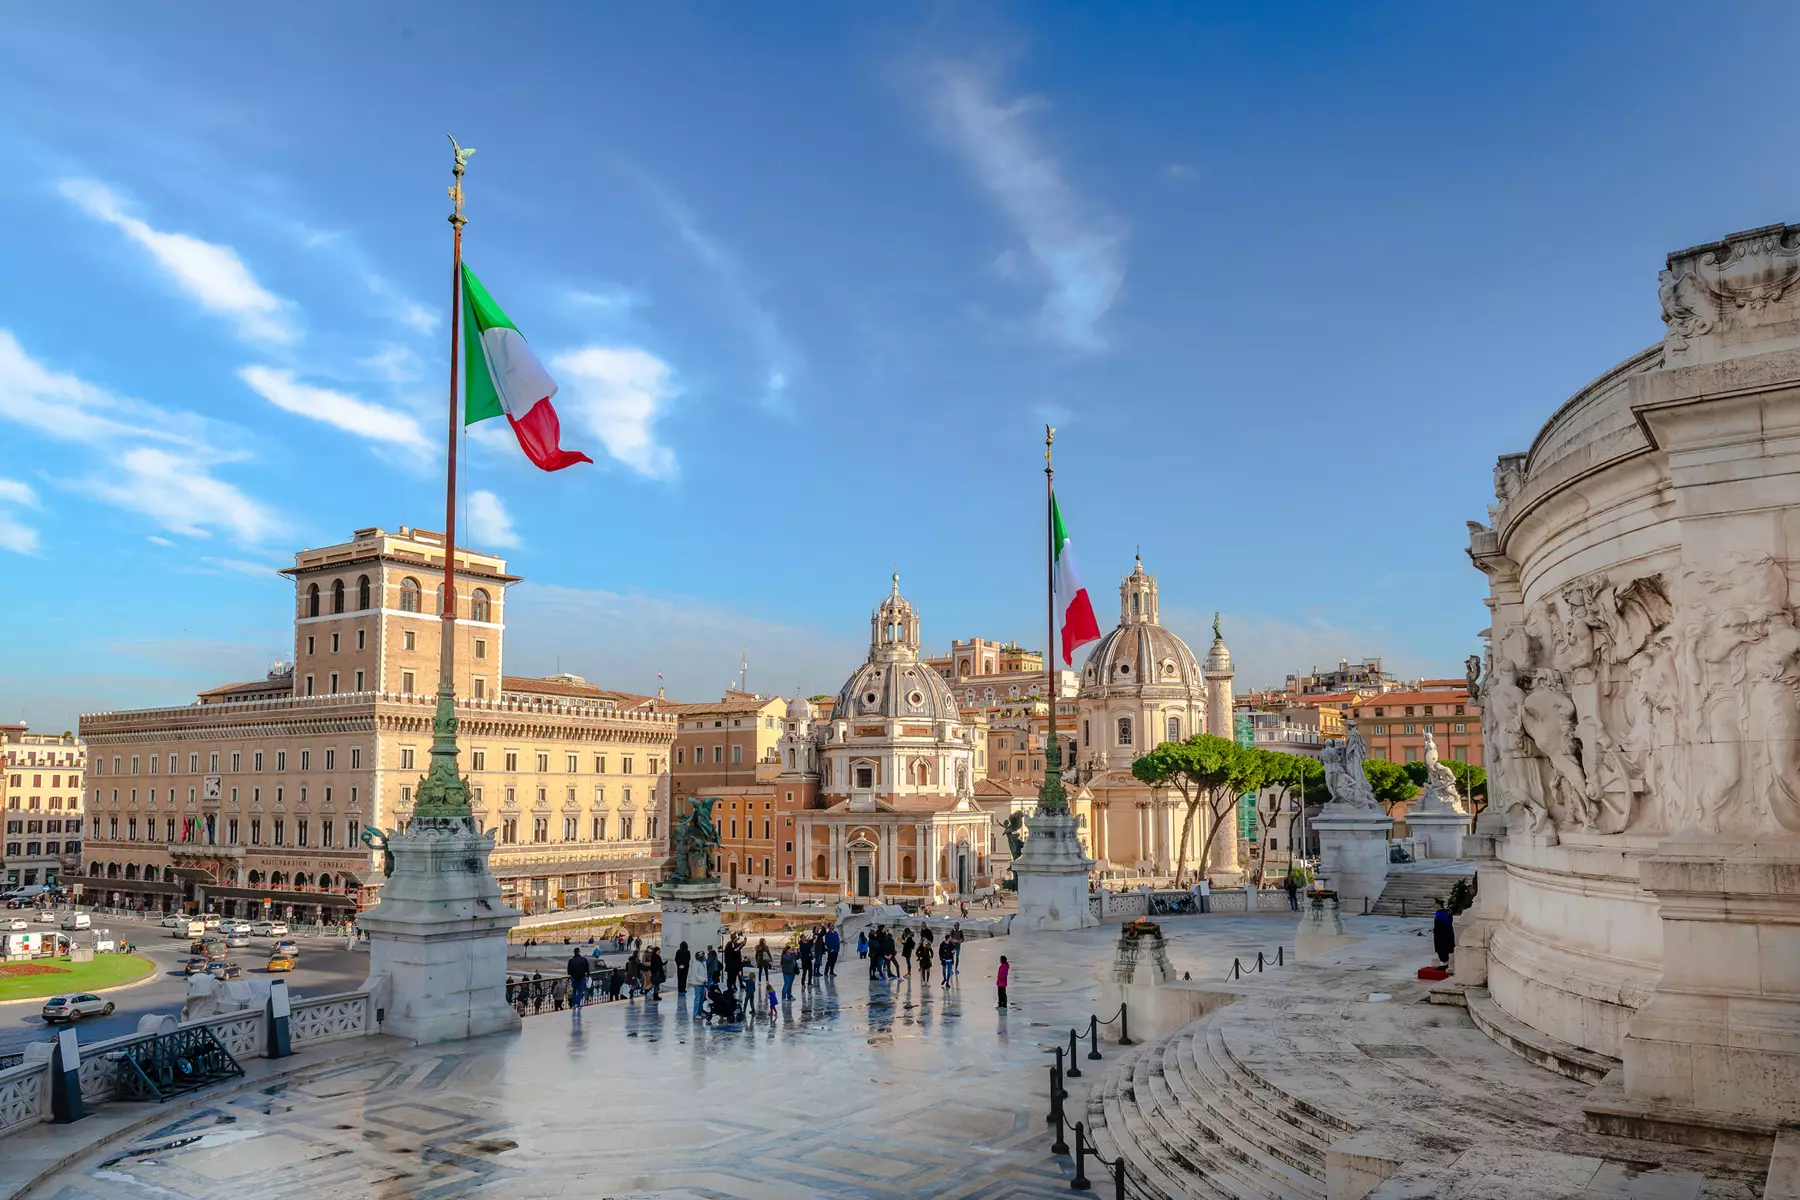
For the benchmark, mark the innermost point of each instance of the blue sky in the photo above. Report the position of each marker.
(812, 278)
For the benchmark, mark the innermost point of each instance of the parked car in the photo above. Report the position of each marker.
(281, 961)
(74, 920)
(224, 970)
(72, 1008)
(15, 923)
(193, 965)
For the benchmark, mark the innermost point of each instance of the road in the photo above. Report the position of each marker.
(324, 967)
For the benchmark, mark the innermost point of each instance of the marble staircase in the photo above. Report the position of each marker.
(1414, 892)
(1193, 1120)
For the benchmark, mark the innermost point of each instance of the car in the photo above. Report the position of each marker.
(193, 965)
(15, 923)
(173, 922)
(73, 1007)
(285, 946)
(236, 940)
(46, 917)
(224, 970)
(212, 920)
(74, 920)
(269, 929)
(231, 927)
(280, 961)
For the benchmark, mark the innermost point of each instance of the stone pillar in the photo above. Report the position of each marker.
(1440, 832)
(1053, 877)
(438, 937)
(690, 913)
(1353, 852)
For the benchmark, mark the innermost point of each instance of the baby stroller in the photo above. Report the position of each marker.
(721, 1004)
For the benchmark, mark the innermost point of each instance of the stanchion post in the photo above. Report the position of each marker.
(1074, 1068)
(1119, 1178)
(1061, 1144)
(1062, 1092)
(1259, 962)
(1125, 1026)
(1093, 1035)
(1280, 959)
(1081, 1182)
(1055, 1098)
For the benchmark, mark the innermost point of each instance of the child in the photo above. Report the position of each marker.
(1000, 980)
(862, 945)
(773, 999)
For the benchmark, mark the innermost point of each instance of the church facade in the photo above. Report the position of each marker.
(892, 770)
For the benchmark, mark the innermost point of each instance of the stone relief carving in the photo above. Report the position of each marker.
(1741, 647)
(1730, 283)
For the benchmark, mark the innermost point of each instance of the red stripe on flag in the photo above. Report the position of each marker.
(540, 436)
(1079, 626)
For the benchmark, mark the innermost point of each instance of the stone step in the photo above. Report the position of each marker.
(1117, 1127)
(1255, 1137)
(1534, 1045)
(1249, 1111)
(1266, 1098)
(1321, 1121)
(1200, 1149)
(1418, 889)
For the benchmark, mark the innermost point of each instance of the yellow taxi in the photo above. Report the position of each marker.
(281, 961)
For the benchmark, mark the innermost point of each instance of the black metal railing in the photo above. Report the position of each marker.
(1083, 1148)
(1239, 970)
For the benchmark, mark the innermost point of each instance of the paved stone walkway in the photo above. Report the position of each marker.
(858, 1091)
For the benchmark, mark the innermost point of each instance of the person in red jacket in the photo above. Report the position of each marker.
(1000, 980)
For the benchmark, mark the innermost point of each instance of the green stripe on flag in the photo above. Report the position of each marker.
(1059, 536)
(480, 400)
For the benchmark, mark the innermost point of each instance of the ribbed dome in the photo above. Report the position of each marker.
(799, 709)
(1141, 655)
(896, 689)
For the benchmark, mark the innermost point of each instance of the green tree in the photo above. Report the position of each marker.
(1285, 779)
(1207, 770)
(1391, 782)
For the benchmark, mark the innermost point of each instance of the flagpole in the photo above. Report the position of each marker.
(443, 795)
(1052, 798)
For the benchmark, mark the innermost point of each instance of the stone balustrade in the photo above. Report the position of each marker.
(25, 1089)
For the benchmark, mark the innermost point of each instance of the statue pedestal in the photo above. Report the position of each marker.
(690, 913)
(1053, 877)
(1439, 830)
(1353, 852)
(439, 936)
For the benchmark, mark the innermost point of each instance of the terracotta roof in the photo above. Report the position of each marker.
(276, 687)
(1441, 696)
(1012, 788)
(718, 706)
(530, 685)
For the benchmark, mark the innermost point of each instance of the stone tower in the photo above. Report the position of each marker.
(1218, 685)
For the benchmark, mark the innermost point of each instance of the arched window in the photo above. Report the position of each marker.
(312, 600)
(112, 870)
(337, 595)
(478, 605)
(906, 868)
(409, 594)
(440, 599)
(362, 591)
(1124, 731)
(255, 877)
(276, 878)
(324, 881)
(299, 878)
(131, 870)
(1174, 729)
(1134, 605)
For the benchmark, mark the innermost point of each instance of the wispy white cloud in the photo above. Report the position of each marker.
(179, 492)
(609, 299)
(14, 492)
(490, 525)
(157, 540)
(780, 362)
(245, 566)
(61, 406)
(17, 536)
(393, 363)
(346, 412)
(619, 393)
(212, 274)
(1076, 246)
(400, 307)
(1266, 648)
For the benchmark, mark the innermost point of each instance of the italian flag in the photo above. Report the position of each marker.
(1069, 599)
(505, 377)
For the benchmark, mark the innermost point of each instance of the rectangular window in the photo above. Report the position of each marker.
(359, 681)
(281, 760)
(362, 639)
(574, 763)
(678, 756)
(543, 797)
(512, 797)
(766, 833)
(134, 771)
(543, 762)
(334, 643)
(327, 831)
(718, 754)
(330, 760)
(625, 765)
(255, 831)
(571, 829)
(256, 761)
(300, 832)
(480, 647)
(408, 642)
(57, 780)
(480, 688)
(306, 760)
(512, 760)
(865, 777)
(406, 678)
(478, 760)
(309, 645)
(625, 828)
(625, 794)
(540, 829)
(406, 760)
(1462, 727)
(599, 829)
(737, 756)
(734, 829)
(599, 764)
(280, 831)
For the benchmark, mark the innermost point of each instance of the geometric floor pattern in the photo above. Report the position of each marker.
(860, 1090)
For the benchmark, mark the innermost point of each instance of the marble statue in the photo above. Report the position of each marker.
(1344, 777)
(1439, 794)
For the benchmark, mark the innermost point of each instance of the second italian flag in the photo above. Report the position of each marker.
(1073, 609)
(505, 378)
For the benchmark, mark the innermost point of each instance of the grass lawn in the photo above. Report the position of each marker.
(54, 976)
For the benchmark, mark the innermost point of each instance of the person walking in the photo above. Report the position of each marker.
(578, 978)
(764, 960)
(906, 949)
(634, 972)
(656, 972)
(832, 943)
(956, 939)
(804, 958)
(790, 966)
(818, 954)
(1293, 891)
(712, 965)
(947, 955)
(1443, 934)
(734, 962)
(1000, 980)
(862, 944)
(925, 957)
(683, 957)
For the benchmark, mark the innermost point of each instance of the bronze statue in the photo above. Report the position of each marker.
(693, 841)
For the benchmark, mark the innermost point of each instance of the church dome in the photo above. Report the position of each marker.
(799, 708)
(893, 682)
(1140, 652)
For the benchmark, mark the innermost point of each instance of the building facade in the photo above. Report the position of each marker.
(254, 798)
(1395, 723)
(41, 804)
(893, 767)
(1140, 686)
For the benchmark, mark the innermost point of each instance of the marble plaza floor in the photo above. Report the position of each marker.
(857, 1090)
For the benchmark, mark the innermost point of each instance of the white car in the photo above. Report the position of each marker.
(173, 922)
(268, 929)
(73, 1007)
(240, 928)
(213, 920)
(15, 924)
(46, 917)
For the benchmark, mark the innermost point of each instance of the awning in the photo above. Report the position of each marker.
(279, 896)
(144, 887)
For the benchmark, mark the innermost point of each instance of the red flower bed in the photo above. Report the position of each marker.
(20, 970)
